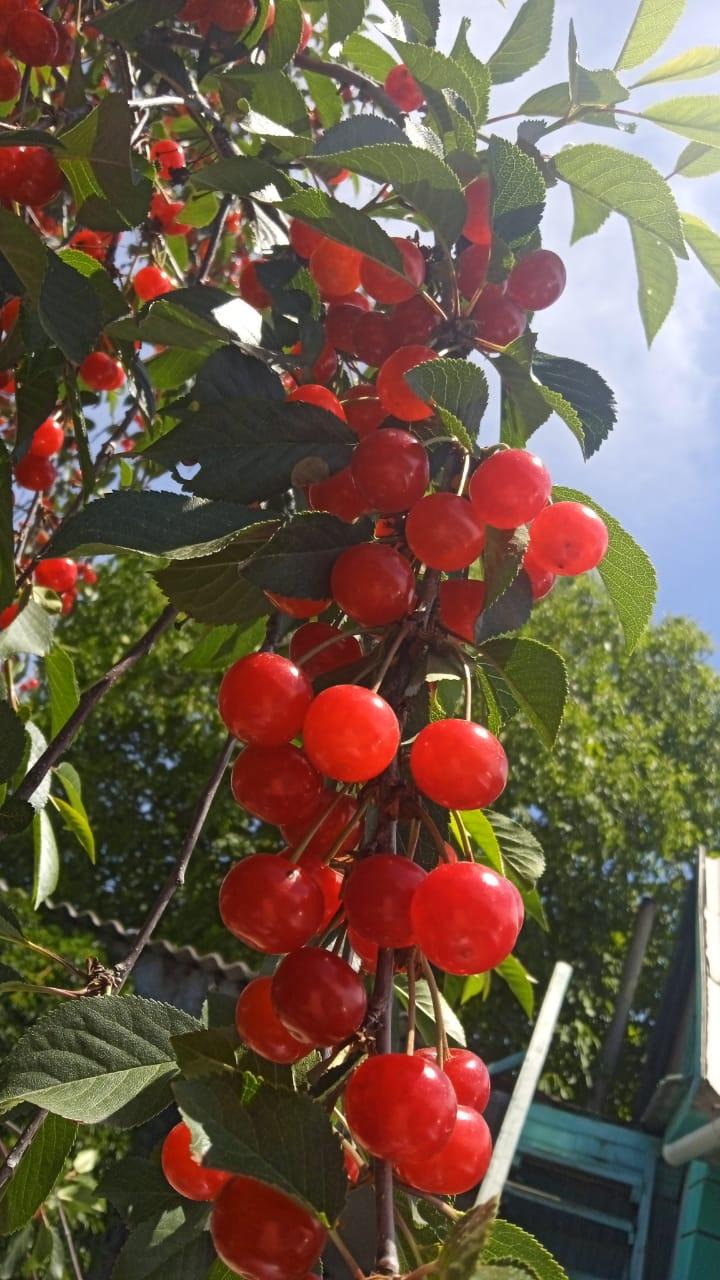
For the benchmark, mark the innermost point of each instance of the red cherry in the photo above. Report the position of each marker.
(8, 615)
(48, 439)
(400, 1107)
(340, 813)
(324, 368)
(375, 338)
(465, 917)
(458, 764)
(467, 1074)
(352, 1167)
(36, 474)
(259, 1026)
(416, 320)
(510, 488)
(478, 223)
(443, 531)
(184, 1173)
(297, 606)
(305, 32)
(335, 268)
(341, 653)
(498, 320)
(395, 392)
(541, 580)
(9, 314)
(461, 603)
(350, 734)
(150, 282)
(102, 372)
(320, 397)
(363, 409)
(251, 288)
(341, 322)
(271, 904)
(94, 243)
(386, 285)
(330, 883)
(537, 280)
(263, 698)
(471, 269)
(168, 156)
(403, 89)
(365, 950)
(339, 495)
(59, 574)
(391, 470)
(462, 1163)
(318, 997)
(231, 15)
(373, 584)
(378, 896)
(304, 238)
(32, 38)
(263, 1234)
(37, 176)
(66, 45)
(166, 212)
(277, 784)
(10, 79)
(568, 538)
(88, 574)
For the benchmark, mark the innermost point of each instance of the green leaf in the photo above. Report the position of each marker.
(219, 647)
(652, 24)
(657, 280)
(124, 22)
(502, 560)
(37, 1173)
(211, 589)
(11, 981)
(64, 692)
(506, 1241)
(692, 65)
(47, 860)
(282, 1138)
(460, 1254)
(513, 972)
(298, 559)
(590, 215)
(518, 190)
(77, 823)
(625, 184)
(456, 386)
(585, 391)
(521, 852)
(506, 614)
(154, 524)
(344, 17)
(425, 1013)
(206, 1052)
(31, 632)
(270, 92)
(110, 192)
(111, 299)
(439, 73)
(481, 832)
(627, 571)
(597, 88)
(173, 1245)
(10, 927)
(106, 1059)
(704, 242)
(7, 542)
(244, 176)
(12, 741)
(15, 816)
(284, 39)
(137, 1189)
(378, 150)
(326, 96)
(552, 101)
(368, 56)
(422, 16)
(342, 223)
(696, 117)
(198, 318)
(537, 679)
(525, 44)
(479, 73)
(697, 161)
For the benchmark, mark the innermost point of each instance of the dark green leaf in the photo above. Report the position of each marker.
(625, 184)
(284, 38)
(69, 309)
(199, 318)
(298, 559)
(205, 1053)
(211, 589)
(651, 26)
(10, 927)
(123, 22)
(220, 646)
(342, 223)
(513, 972)
(7, 542)
(585, 391)
(154, 524)
(421, 16)
(657, 280)
(12, 741)
(344, 16)
(110, 193)
(47, 861)
(510, 612)
(455, 385)
(460, 1254)
(229, 374)
(525, 44)
(244, 176)
(137, 1189)
(537, 679)
(437, 72)
(520, 850)
(518, 190)
(111, 299)
(172, 1245)
(37, 1173)
(502, 559)
(507, 1241)
(64, 692)
(15, 816)
(479, 73)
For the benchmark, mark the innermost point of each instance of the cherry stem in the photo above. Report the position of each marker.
(343, 835)
(352, 1264)
(413, 837)
(326, 644)
(464, 475)
(433, 831)
(408, 1237)
(51, 955)
(467, 676)
(302, 845)
(443, 1048)
(411, 1009)
(463, 835)
(390, 655)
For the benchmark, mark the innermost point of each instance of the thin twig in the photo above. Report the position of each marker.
(216, 232)
(345, 75)
(72, 1251)
(443, 1048)
(12, 1161)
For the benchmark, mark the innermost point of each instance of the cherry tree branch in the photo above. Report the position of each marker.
(12, 1160)
(345, 75)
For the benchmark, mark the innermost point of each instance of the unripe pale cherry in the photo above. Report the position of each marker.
(259, 1026)
(460, 1165)
(373, 584)
(350, 734)
(461, 602)
(458, 764)
(568, 538)
(465, 917)
(185, 1174)
(404, 90)
(277, 784)
(537, 281)
(400, 1107)
(391, 470)
(395, 391)
(510, 488)
(378, 896)
(59, 574)
(443, 531)
(270, 903)
(263, 698)
(467, 1074)
(318, 997)
(261, 1233)
(388, 286)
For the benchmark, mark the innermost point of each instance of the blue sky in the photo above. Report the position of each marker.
(659, 473)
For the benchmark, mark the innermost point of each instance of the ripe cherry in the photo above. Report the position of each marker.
(251, 288)
(510, 488)
(168, 156)
(271, 904)
(458, 764)
(461, 603)
(259, 1026)
(471, 269)
(102, 372)
(323, 368)
(465, 917)
(231, 15)
(478, 222)
(32, 38)
(8, 615)
(404, 90)
(541, 580)
(339, 495)
(263, 1234)
(320, 397)
(400, 1107)
(386, 285)
(306, 32)
(340, 812)
(330, 883)
(416, 320)
(350, 734)
(378, 896)
(36, 474)
(391, 470)
(461, 1164)
(537, 280)
(395, 391)
(58, 574)
(335, 268)
(363, 409)
(373, 584)
(344, 649)
(297, 606)
(94, 243)
(304, 238)
(151, 282)
(467, 1074)
(497, 319)
(277, 784)
(10, 79)
(184, 1173)
(48, 439)
(365, 950)
(66, 45)
(568, 538)
(375, 338)
(341, 322)
(167, 212)
(444, 532)
(32, 176)
(263, 698)
(318, 997)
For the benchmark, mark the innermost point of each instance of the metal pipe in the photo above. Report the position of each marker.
(693, 1146)
(632, 968)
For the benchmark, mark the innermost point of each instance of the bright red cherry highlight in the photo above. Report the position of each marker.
(510, 488)
(259, 1026)
(263, 698)
(444, 532)
(458, 764)
(350, 734)
(318, 997)
(378, 896)
(271, 904)
(466, 917)
(297, 606)
(184, 1173)
(373, 584)
(263, 1234)
(568, 538)
(400, 1107)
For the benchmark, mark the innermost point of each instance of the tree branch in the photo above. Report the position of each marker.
(12, 1161)
(70, 1243)
(216, 232)
(345, 75)
(386, 1259)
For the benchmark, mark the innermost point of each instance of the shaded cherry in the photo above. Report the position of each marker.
(373, 584)
(259, 1026)
(32, 37)
(467, 1074)
(277, 784)
(461, 603)
(460, 1165)
(395, 391)
(378, 896)
(339, 495)
(471, 269)
(375, 338)
(263, 1234)
(340, 813)
(184, 1173)
(363, 409)
(541, 580)
(497, 319)
(388, 286)
(537, 280)
(318, 997)
(416, 320)
(344, 649)
(251, 288)
(391, 470)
